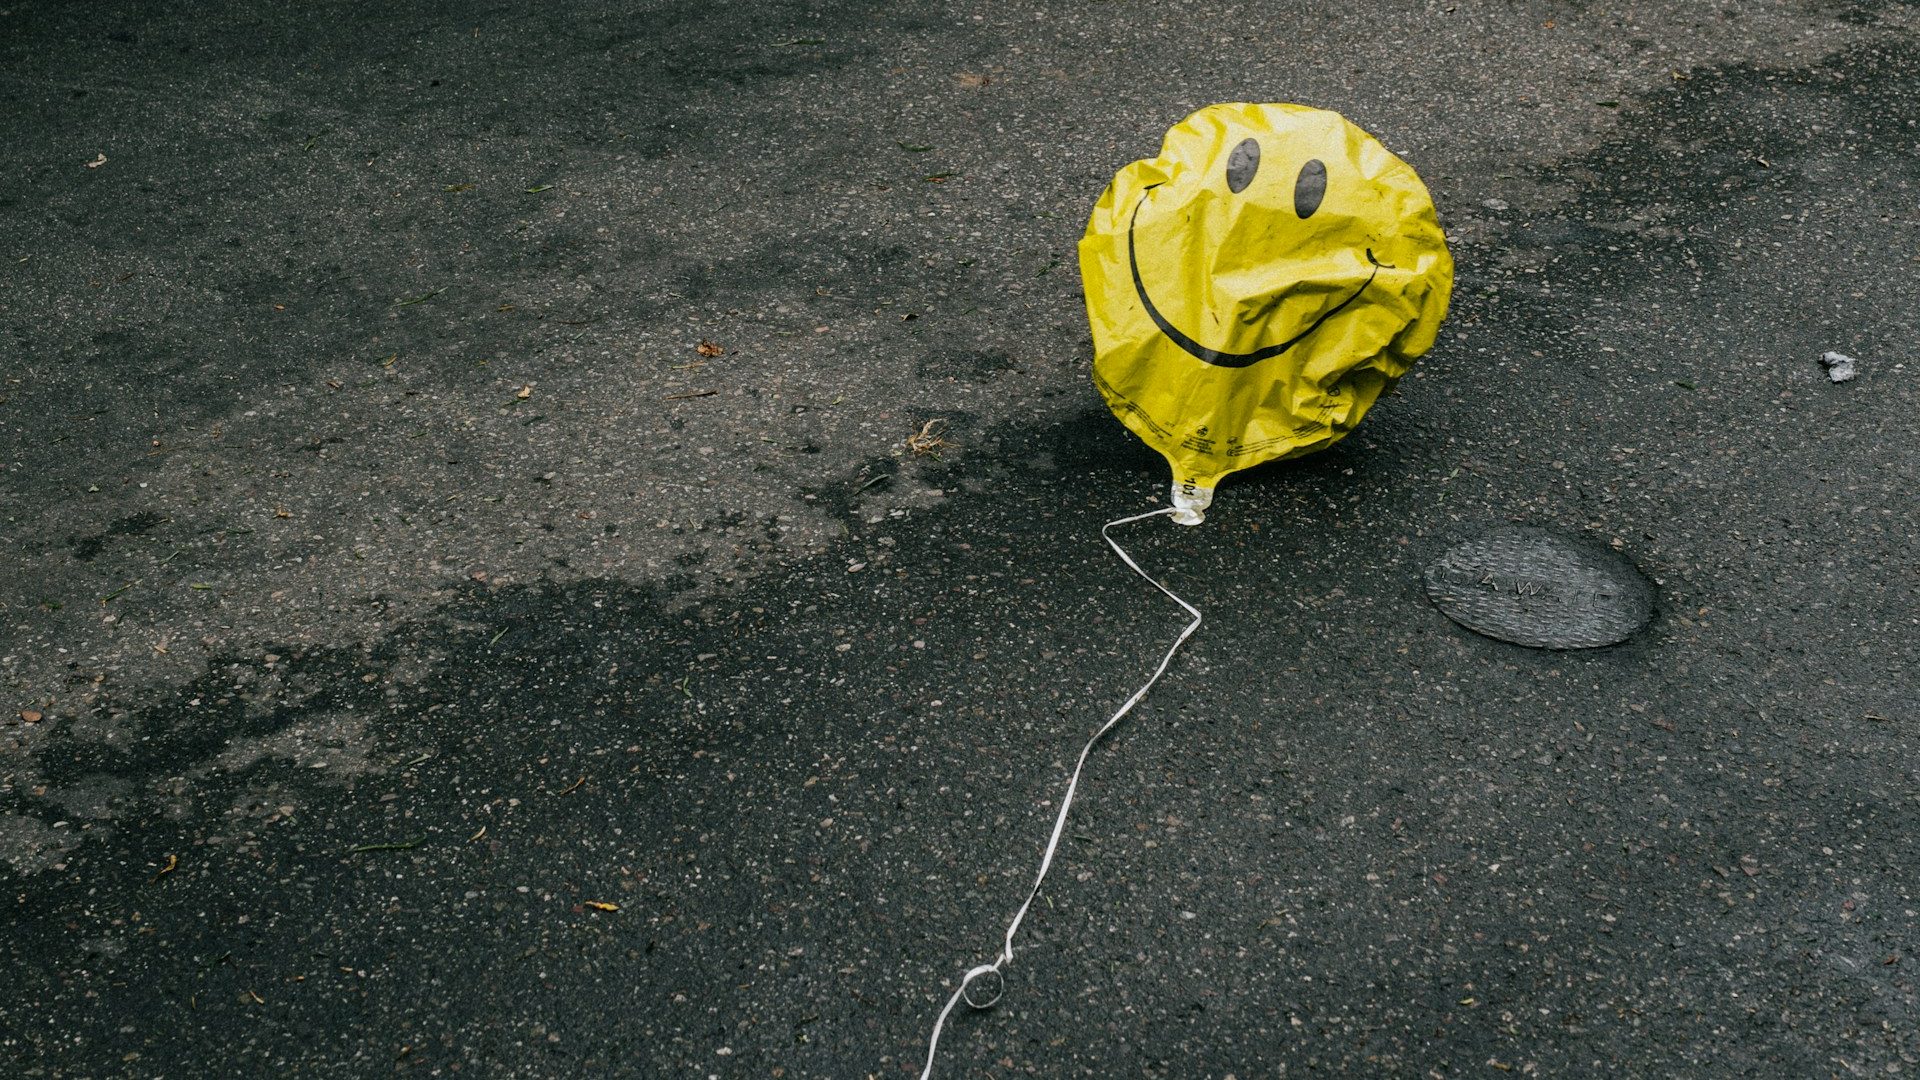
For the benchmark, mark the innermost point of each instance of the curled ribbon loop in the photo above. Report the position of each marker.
(993, 996)
(982, 999)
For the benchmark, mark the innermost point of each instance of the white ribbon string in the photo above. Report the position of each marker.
(1060, 821)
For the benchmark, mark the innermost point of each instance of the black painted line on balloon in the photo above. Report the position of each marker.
(1215, 356)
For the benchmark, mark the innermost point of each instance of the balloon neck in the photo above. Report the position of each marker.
(1190, 502)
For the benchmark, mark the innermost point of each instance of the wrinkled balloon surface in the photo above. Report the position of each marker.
(1257, 286)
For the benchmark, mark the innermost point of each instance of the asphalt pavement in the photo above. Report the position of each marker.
(563, 540)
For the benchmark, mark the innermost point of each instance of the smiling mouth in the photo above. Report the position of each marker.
(1214, 356)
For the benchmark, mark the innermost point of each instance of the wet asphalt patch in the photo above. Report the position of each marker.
(811, 804)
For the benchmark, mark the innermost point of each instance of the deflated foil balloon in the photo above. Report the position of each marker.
(1257, 286)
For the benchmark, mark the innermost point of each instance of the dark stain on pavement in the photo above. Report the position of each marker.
(88, 547)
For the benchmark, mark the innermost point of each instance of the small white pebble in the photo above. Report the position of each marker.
(1840, 367)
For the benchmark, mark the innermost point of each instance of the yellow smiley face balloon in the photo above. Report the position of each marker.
(1257, 286)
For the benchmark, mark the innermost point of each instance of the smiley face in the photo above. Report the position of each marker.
(1308, 192)
(1260, 226)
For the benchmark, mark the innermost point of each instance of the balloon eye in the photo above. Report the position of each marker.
(1310, 188)
(1242, 163)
